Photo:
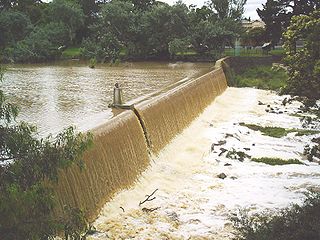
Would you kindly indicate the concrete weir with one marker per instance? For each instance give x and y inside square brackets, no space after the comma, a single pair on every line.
[123,144]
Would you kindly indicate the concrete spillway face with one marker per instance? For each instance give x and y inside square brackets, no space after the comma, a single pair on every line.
[122,144]
[118,156]
[168,114]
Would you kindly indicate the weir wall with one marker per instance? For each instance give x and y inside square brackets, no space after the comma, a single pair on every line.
[123,144]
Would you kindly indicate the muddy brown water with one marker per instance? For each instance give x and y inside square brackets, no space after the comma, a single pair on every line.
[55,96]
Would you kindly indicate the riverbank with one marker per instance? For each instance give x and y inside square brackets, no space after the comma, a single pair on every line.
[199,185]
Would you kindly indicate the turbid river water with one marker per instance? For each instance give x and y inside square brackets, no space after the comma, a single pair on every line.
[55,96]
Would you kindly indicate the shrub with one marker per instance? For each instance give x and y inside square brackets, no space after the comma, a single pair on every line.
[26,165]
[292,223]
[303,64]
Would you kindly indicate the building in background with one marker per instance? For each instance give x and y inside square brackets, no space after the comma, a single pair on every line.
[247,24]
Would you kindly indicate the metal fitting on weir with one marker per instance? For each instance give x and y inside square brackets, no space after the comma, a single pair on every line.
[117,95]
[117,98]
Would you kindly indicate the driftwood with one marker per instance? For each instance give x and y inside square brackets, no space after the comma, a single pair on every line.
[149,198]
[149,210]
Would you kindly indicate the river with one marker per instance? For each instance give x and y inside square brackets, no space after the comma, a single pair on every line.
[188,198]
[55,96]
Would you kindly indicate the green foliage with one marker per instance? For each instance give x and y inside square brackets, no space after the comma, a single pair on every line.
[67,12]
[160,30]
[279,132]
[178,46]
[276,161]
[75,224]
[277,15]
[254,37]
[238,155]
[27,165]
[262,77]
[313,152]
[42,44]
[226,9]
[292,223]
[105,47]
[92,63]
[71,53]
[14,26]
[141,28]
[303,64]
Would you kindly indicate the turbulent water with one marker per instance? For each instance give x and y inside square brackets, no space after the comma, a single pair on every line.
[191,201]
[55,96]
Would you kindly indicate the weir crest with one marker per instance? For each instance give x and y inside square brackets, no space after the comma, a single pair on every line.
[123,144]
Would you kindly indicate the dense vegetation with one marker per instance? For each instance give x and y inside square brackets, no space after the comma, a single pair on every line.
[293,223]
[36,31]
[262,77]
[27,166]
[277,15]
[303,63]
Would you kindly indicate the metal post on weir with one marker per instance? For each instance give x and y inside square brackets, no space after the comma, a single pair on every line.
[117,95]
[118,99]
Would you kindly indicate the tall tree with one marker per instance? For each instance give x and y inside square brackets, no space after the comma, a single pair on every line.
[32,8]
[277,15]
[14,26]
[232,9]
[69,13]
[227,27]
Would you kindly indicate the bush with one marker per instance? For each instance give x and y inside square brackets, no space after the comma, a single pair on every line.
[292,223]
[42,44]
[27,163]
[262,77]
[303,64]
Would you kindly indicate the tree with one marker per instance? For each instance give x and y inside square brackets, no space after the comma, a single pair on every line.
[41,44]
[254,37]
[228,9]
[14,26]
[143,5]
[26,165]
[32,8]
[304,63]
[277,15]
[69,13]
[228,24]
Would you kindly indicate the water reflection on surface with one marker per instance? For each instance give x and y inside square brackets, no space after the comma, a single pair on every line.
[56,96]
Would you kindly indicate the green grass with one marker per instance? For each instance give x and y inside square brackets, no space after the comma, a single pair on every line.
[245,52]
[276,161]
[253,52]
[278,51]
[262,77]
[279,132]
[301,132]
[73,52]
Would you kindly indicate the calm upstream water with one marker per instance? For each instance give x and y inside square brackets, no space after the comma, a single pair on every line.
[56,96]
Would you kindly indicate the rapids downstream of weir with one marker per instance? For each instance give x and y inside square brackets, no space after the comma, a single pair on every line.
[190,201]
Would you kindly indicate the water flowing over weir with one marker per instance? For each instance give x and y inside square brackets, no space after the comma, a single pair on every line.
[122,145]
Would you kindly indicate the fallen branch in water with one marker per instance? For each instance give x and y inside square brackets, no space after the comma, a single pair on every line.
[149,198]
[149,210]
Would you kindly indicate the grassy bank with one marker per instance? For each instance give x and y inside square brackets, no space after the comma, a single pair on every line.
[279,132]
[70,53]
[276,161]
[262,77]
